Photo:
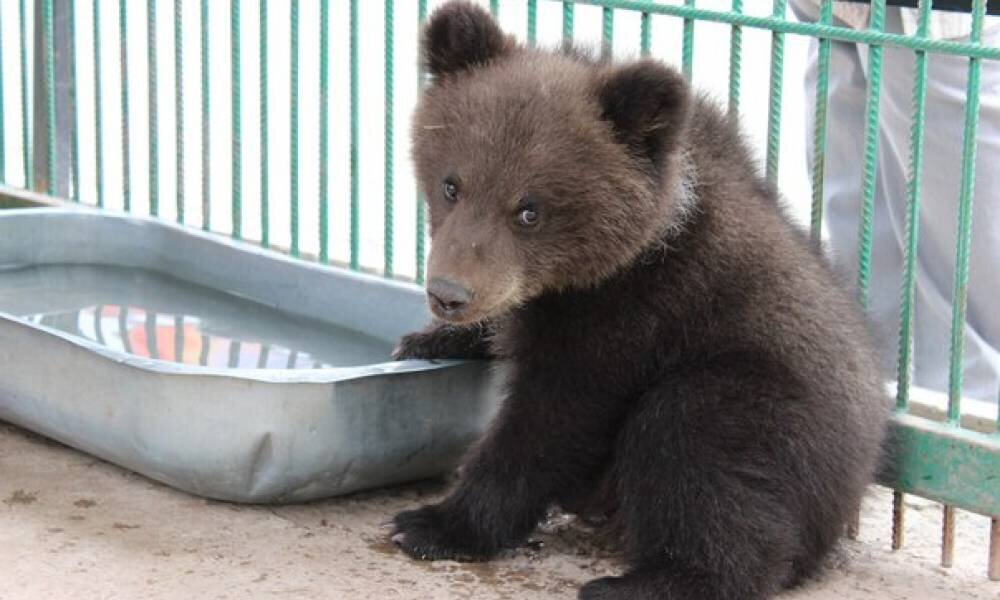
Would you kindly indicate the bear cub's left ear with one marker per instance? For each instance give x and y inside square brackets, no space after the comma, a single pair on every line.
[647,104]
[460,36]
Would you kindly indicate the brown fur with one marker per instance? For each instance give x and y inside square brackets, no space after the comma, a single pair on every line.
[669,332]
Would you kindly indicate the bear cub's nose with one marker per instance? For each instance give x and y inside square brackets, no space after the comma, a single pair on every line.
[448,297]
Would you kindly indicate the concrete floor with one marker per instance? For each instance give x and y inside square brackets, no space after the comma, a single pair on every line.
[74,527]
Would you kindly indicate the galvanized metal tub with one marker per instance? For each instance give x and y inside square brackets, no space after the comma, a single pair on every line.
[238,434]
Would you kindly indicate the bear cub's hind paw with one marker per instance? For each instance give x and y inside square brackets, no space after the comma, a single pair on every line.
[429,533]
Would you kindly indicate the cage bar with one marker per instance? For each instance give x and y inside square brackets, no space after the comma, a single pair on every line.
[123,97]
[495,7]
[820,126]
[646,34]
[687,44]
[964,236]
[567,21]
[877,24]
[71,108]
[154,142]
[948,536]
[293,128]
[49,66]
[179,110]
[53,117]
[236,126]
[735,60]
[421,225]
[993,571]
[262,93]
[25,104]
[324,129]
[387,269]
[353,58]
[607,31]
[3,130]
[206,135]
[898,520]
[98,105]
[774,97]
[532,24]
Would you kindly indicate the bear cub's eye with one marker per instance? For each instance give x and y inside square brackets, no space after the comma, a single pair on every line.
[527,215]
[451,190]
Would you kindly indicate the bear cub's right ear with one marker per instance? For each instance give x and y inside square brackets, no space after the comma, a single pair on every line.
[460,36]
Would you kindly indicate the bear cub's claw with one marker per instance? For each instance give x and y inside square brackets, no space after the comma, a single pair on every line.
[428,533]
[413,346]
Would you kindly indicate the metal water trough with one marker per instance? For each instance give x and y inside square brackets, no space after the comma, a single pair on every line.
[238,434]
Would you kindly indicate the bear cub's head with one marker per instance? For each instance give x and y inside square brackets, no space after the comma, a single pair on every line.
[543,171]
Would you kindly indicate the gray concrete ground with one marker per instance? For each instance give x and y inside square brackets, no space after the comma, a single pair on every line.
[74,527]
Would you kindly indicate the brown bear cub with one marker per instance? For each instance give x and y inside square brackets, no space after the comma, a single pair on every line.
[678,351]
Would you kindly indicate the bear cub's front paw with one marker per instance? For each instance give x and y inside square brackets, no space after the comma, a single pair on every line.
[418,345]
[430,533]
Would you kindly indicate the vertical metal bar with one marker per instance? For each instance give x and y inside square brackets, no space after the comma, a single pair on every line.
[3,131]
[735,60]
[98,105]
[151,331]
[389,82]
[324,129]
[774,98]
[960,293]
[421,232]
[71,108]
[265,192]
[179,108]
[645,34]
[54,112]
[123,330]
[153,104]
[355,233]
[533,21]
[567,22]
[994,557]
[877,23]
[495,7]
[294,129]
[234,354]
[179,335]
[948,536]
[123,66]
[237,119]
[26,119]
[206,343]
[687,45]
[898,520]
[206,130]
[820,125]
[607,31]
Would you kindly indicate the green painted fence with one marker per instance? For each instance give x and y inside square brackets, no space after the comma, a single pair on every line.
[940,457]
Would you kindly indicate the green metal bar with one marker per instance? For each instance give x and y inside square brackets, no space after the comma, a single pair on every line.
[495,7]
[877,23]
[179,108]
[774,98]
[74,145]
[123,66]
[567,21]
[98,105]
[735,60]
[913,212]
[389,80]
[206,130]
[421,232]
[961,291]
[645,34]
[355,206]
[3,130]
[532,22]
[607,31]
[324,129]
[25,86]
[294,129]
[237,119]
[265,184]
[780,25]
[687,45]
[820,125]
[936,460]
[154,135]
[50,94]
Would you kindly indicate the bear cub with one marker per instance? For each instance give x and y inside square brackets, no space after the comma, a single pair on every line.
[680,355]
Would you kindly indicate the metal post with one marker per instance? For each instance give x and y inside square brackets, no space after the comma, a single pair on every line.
[54,112]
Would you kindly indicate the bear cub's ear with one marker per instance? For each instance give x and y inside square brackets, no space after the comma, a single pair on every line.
[646,103]
[461,35]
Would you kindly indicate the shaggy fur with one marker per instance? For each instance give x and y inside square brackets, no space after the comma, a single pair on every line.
[679,353]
